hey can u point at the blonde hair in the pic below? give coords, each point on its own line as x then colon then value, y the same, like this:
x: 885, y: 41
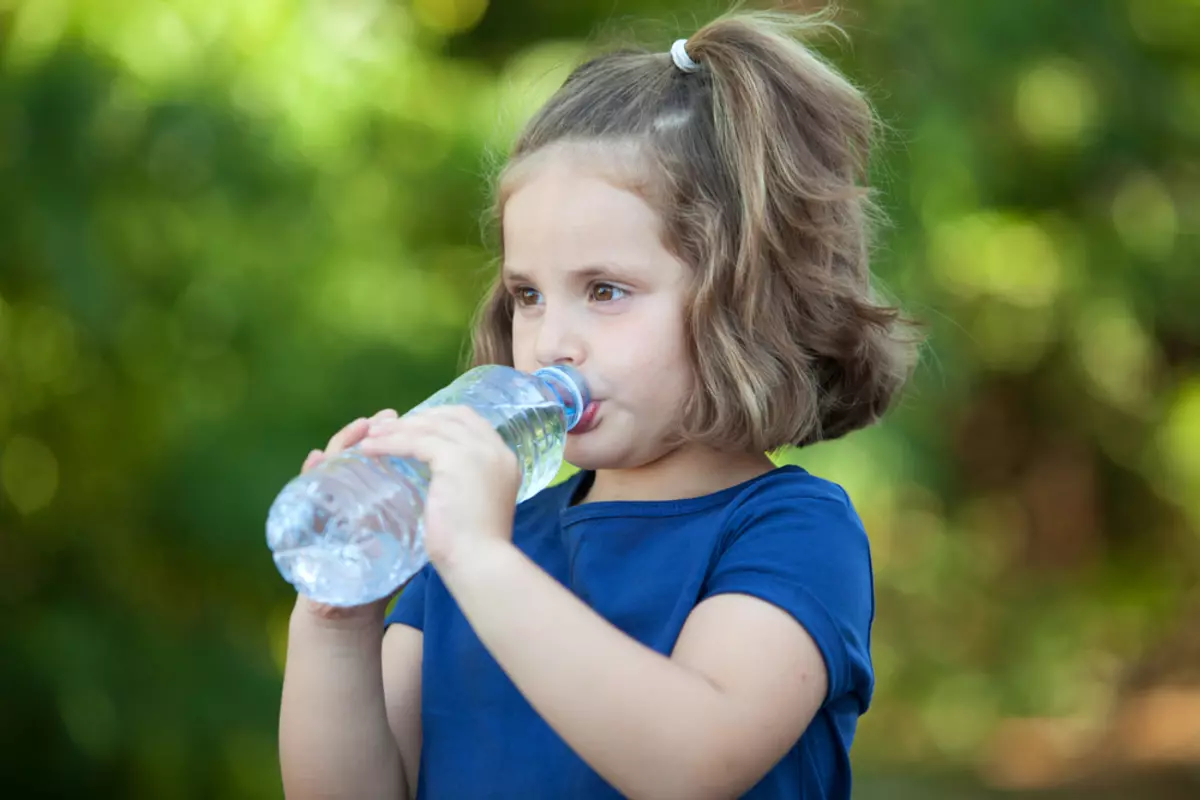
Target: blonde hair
x: 758, y: 160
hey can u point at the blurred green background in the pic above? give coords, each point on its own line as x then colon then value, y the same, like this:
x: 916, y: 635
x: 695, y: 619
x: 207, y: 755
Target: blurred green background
x: 229, y: 226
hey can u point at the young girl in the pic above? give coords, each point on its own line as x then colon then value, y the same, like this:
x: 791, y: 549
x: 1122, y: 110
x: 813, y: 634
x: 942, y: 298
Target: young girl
x: 681, y: 618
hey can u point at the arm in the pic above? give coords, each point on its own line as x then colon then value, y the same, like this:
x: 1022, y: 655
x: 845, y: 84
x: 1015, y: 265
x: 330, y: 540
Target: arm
x: 743, y: 683
x: 350, y: 717
x: 746, y: 677
x: 403, y: 648
x: 334, y: 734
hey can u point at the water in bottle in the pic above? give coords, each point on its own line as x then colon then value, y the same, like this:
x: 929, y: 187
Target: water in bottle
x: 351, y: 529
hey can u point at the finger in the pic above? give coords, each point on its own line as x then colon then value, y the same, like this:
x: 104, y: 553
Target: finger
x: 356, y: 430
x: 347, y: 436
x: 424, y: 446
x: 399, y: 431
x: 465, y: 417
x: 311, y: 460
x: 435, y: 444
x: 378, y: 426
x: 443, y: 418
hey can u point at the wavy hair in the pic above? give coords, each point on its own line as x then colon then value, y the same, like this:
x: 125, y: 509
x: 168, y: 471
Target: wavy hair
x: 757, y: 163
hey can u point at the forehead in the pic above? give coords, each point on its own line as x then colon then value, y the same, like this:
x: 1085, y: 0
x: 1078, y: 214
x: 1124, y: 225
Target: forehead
x: 622, y: 161
x: 579, y: 204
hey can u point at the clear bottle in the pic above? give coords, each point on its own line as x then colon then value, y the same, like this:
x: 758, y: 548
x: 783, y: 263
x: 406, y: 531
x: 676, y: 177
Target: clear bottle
x: 351, y: 530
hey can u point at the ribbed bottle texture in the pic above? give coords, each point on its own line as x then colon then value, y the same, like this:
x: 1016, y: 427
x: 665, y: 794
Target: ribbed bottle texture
x: 351, y: 530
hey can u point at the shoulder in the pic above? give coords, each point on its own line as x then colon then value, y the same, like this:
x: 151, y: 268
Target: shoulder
x: 795, y: 540
x: 793, y: 481
x: 790, y: 498
x: 801, y: 535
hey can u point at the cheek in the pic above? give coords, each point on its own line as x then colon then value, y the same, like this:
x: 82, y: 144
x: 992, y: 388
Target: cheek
x: 523, y: 346
x: 655, y: 356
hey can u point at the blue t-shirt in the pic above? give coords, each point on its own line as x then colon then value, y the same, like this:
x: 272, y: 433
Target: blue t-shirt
x: 787, y: 537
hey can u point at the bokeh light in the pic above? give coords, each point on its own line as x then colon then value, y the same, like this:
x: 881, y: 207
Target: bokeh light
x: 230, y: 227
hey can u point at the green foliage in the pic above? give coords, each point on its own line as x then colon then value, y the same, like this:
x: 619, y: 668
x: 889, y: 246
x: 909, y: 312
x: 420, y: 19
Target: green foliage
x: 227, y: 228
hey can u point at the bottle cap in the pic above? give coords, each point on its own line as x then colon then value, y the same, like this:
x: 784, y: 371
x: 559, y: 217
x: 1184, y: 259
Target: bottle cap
x: 571, y: 389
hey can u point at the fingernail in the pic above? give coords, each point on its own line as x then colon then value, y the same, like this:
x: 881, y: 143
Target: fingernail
x: 387, y: 413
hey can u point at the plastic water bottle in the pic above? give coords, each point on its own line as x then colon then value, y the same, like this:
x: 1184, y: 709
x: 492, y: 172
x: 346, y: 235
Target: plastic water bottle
x: 351, y: 529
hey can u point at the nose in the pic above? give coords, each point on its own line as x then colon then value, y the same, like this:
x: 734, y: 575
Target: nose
x: 559, y: 340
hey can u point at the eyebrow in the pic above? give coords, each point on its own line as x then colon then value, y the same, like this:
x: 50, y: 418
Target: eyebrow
x: 584, y: 273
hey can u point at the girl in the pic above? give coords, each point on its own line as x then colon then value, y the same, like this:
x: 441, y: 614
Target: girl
x: 681, y: 618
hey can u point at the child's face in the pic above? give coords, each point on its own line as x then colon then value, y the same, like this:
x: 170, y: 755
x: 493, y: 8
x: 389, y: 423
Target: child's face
x: 595, y: 287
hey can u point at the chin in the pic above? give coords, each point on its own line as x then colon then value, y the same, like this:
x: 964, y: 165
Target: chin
x: 592, y: 451
x: 587, y: 451
x: 585, y: 458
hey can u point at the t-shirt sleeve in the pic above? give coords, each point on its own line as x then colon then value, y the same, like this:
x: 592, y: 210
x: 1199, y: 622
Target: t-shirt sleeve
x: 809, y: 555
x: 409, y: 608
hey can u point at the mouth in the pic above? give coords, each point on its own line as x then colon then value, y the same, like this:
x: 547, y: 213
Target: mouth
x: 588, y: 420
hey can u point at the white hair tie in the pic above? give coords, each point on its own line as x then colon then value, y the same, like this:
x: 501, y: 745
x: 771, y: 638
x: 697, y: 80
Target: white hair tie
x: 679, y: 55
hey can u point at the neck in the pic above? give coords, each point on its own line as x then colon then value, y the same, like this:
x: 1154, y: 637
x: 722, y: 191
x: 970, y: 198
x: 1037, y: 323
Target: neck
x: 690, y: 471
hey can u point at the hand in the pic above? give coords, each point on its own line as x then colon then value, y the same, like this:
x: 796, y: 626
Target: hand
x: 348, y: 436
x: 474, y: 478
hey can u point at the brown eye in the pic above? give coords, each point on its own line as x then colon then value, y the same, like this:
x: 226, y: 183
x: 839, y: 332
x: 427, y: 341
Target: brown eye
x: 525, y: 296
x: 606, y: 292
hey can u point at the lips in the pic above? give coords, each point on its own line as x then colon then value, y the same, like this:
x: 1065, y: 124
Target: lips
x: 588, y: 420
